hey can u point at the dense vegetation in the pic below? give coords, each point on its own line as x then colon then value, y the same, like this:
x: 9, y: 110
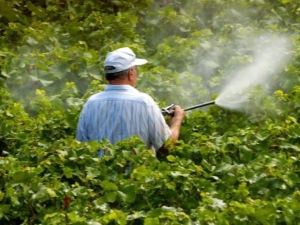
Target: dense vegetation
x: 229, y: 167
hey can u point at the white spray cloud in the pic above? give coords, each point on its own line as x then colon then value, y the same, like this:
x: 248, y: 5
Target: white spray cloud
x: 271, y: 54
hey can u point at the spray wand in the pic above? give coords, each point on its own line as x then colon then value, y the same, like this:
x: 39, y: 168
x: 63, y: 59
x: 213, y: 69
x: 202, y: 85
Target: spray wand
x: 168, y: 111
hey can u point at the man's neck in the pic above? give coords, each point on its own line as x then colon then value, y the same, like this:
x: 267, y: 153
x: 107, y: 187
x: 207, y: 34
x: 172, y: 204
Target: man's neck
x: 119, y: 82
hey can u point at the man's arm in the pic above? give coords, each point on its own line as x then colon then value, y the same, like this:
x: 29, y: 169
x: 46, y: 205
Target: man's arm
x: 81, y: 134
x: 176, y: 122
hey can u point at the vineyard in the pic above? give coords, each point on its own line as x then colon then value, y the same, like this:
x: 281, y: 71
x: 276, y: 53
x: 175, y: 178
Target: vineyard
x: 230, y: 166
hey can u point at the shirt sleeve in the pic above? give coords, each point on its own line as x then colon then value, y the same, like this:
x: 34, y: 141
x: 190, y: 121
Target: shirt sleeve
x: 159, y: 130
x: 81, y: 132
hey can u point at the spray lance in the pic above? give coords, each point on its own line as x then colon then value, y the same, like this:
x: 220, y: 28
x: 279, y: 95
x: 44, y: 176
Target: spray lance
x: 168, y: 111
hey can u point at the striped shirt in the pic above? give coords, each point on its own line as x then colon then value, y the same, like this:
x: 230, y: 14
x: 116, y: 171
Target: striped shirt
x: 121, y: 111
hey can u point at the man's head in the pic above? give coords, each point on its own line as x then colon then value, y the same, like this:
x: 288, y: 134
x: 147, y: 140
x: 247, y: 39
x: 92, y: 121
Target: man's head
x: 121, y: 64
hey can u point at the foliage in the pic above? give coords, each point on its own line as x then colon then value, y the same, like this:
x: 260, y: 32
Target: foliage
x: 229, y: 167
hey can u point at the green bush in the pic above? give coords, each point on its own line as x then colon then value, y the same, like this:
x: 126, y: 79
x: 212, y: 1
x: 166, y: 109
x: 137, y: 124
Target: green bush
x: 229, y: 167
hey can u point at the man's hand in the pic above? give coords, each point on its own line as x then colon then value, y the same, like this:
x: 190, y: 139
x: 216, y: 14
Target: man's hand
x: 176, y: 122
x: 179, y: 115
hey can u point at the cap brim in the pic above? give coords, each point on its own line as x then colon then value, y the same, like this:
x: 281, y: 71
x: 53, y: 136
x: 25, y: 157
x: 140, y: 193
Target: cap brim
x: 139, y: 62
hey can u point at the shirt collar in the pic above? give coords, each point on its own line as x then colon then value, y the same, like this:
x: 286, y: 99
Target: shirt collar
x: 124, y: 87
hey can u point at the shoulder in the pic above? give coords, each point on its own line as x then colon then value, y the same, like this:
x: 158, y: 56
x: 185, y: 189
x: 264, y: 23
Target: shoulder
x: 94, y: 97
x: 147, y: 99
x: 145, y: 96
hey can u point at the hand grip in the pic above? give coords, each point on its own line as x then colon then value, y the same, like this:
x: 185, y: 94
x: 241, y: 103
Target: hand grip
x: 168, y: 111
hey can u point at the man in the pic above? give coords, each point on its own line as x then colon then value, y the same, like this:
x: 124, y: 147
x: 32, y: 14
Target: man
x: 121, y: 111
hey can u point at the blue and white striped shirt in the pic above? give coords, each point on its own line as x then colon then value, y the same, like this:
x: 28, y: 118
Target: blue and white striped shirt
x: 121, y: 111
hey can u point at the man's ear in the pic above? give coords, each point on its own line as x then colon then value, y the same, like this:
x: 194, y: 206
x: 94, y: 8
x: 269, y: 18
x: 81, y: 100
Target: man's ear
x: 130, y: 74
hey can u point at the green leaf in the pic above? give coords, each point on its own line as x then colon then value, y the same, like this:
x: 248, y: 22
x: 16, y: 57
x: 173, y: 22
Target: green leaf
x: 9, y: 114
x: 110, y: 196
x: 127, y: 193
x: 154, y: 213
x: 7, y: 11
x: 292, y: 179
x: 41, y: 194
x: 4, y: 209
x: 59, y: 70
x: 23, y: 176
x: 40, y: 12
x: 51, y: 193
x: 114, y: 217
x: 73, y: 27
x: 87, y: 55
x: 245, y: 153
x: 24, y: 50
x: 1, y: 195
x: 57, y: 102
x: 218, y: 204
x: 44, y: 82
x: 32, y: 41
x: 75, y: 218
x: 152, y: 221
x: 94, y: 71
x: 108, y: 186
x: 225, y: 167
x: 68, y: 172
x: 92, y: 172
x: 171, y: 158
x: 290, y: 146
x: 171, y: 185
x: 179, y: 174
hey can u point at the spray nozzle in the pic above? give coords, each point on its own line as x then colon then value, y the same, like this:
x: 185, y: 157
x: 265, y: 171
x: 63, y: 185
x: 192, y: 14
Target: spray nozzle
x: 168, y: 111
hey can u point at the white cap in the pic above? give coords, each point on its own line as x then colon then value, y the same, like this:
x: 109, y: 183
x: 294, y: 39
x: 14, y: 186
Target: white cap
x: 122, y: 59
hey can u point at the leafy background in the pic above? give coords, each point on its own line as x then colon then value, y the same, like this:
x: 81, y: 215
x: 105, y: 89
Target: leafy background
x: 229, y: 167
